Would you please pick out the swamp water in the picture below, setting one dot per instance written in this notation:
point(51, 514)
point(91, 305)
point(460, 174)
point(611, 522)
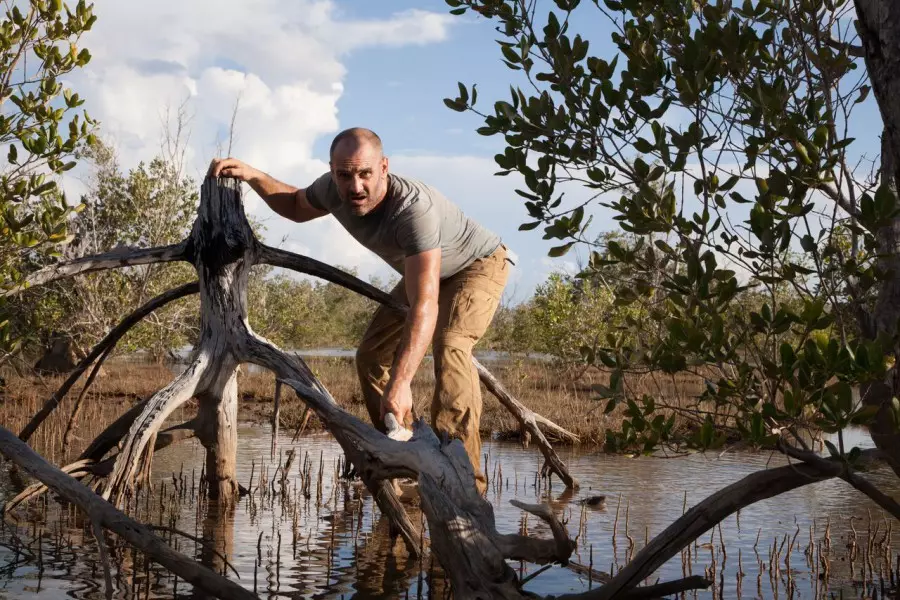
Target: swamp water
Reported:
point(314, 535)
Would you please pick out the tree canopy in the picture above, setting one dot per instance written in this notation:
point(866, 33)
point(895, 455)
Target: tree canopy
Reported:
point(724, 137)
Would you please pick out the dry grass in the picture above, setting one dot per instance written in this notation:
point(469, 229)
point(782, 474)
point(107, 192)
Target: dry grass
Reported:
point(567, 400)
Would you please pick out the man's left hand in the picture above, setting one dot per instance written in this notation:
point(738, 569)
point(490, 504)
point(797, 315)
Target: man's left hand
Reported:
point(397, 399)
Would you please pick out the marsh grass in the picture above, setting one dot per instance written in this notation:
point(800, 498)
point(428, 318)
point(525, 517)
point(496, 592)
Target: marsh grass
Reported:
point(563, 397)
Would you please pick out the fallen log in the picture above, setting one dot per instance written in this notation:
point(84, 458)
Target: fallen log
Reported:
point(109, 517)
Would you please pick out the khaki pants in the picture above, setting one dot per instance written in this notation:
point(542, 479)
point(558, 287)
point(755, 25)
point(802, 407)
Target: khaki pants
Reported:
point(466, 305)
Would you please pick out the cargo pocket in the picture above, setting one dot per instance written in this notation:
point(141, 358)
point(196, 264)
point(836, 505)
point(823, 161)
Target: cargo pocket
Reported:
point(471, 313)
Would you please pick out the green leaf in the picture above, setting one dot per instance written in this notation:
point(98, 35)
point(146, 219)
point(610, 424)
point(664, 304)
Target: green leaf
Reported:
point(557, 251)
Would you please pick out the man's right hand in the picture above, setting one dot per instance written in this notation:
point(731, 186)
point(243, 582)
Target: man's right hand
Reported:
point(231, 167)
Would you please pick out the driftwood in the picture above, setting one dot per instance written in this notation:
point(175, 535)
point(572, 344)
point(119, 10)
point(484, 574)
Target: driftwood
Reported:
point(107, 516)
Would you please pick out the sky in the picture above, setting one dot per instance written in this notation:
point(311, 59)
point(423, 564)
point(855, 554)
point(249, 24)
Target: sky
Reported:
point(299, 71)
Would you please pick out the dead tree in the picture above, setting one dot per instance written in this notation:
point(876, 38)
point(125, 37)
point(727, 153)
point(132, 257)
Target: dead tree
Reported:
point(222, 248)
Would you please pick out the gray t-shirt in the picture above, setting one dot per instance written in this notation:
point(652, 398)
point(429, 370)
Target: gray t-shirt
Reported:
point(413, 218)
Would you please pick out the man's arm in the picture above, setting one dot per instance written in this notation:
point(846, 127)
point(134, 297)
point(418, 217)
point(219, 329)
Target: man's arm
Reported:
point(286, 200)
point(422, 276)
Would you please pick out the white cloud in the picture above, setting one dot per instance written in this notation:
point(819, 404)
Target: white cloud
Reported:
point(281, 60)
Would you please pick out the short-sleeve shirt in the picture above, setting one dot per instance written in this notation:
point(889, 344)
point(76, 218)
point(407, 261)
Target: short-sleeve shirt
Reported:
point(414, 217)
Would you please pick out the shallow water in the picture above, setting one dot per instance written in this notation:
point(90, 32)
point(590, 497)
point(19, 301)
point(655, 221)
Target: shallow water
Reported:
point(334, 544)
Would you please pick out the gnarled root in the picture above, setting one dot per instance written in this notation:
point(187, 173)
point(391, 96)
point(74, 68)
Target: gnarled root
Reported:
point(151, 417)
point(463, 531)
point(91, 467)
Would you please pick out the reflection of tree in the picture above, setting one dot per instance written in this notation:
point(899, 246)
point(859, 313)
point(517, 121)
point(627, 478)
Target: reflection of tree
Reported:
point(218, 538)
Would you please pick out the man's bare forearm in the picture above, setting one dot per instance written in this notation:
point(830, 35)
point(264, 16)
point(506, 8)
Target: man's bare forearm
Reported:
point(417, 333)
point(281, 197)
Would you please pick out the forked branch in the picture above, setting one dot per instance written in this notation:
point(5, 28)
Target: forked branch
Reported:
point(146, 425)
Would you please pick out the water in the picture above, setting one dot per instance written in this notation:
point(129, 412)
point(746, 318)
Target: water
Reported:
point(336, 545)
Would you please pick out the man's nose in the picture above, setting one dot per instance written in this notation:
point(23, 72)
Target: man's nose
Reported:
point(356, 185)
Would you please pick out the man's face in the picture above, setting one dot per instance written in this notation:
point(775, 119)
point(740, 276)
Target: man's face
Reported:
point(360, 173)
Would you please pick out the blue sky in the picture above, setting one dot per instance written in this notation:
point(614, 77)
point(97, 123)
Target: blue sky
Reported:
point(302, 71)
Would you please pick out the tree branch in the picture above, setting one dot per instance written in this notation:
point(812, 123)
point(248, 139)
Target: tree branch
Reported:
point(152, 414)
point(711, 511)
point(461, 521)
point(84, 467)
point(528, 419)
point(108, 516)
point(838, 197)
point(858, 482)
point(124, 257)
point(106, 343)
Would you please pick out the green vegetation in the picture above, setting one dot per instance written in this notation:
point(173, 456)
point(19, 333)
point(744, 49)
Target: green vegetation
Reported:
point(42, 134)
point(720, 136)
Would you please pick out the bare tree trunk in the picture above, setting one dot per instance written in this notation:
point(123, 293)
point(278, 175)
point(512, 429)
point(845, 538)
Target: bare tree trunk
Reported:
point(217, 432)
point(879, 30)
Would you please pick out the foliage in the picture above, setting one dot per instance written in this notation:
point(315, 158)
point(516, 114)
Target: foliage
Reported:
point(716, 134)
point(298, 313)
point(153, 204)
point(40, 128)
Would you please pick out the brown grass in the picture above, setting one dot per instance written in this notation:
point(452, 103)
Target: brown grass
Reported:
point(567, 400)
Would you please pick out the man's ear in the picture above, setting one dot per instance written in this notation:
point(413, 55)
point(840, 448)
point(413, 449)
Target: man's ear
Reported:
point(384, 164)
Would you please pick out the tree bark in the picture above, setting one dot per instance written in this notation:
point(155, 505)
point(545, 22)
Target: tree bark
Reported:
point(879, 29)
point(217, 431)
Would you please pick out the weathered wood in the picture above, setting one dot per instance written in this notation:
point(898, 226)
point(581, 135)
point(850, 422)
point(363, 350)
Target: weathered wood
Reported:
point(217, 431)
point(154, 412)
point(108, 342)
point(461, 521)
point(710, 512)
point(91, 467)
point(527, 418)
point(114, 259)
point(118, 522)
point(260, 352)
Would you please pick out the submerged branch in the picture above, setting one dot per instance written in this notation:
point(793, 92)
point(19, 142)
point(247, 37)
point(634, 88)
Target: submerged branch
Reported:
point(108, 516)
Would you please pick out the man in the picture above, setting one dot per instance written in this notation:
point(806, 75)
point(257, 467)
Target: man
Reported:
point(453, 275)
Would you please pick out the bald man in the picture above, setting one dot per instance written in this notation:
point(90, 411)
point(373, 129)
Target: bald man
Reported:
point(453, 273)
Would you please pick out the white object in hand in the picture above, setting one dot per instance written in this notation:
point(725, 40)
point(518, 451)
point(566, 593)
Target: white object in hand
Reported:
point(395, 431)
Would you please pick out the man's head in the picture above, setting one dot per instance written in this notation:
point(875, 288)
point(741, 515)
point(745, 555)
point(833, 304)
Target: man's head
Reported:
point(359, 169)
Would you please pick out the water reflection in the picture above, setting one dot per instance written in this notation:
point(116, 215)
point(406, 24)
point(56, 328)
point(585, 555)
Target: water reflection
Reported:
point(303, 533)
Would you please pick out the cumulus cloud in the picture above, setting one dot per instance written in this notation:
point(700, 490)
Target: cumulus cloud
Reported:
point(282, 62)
